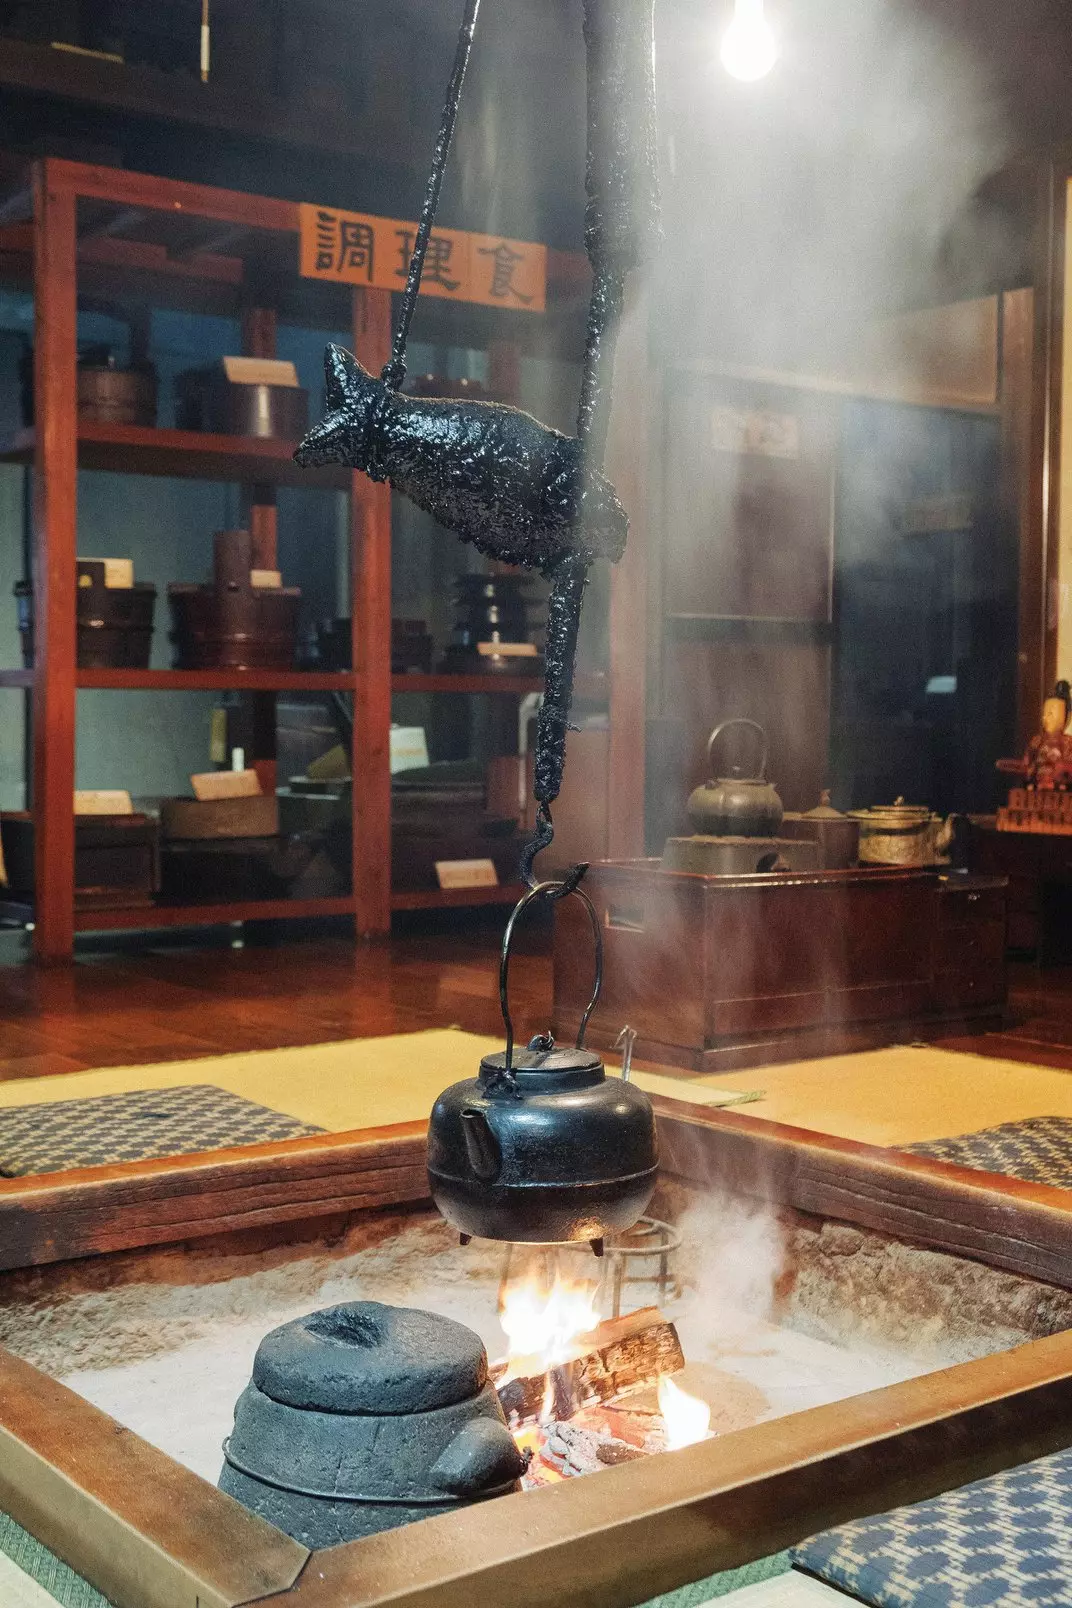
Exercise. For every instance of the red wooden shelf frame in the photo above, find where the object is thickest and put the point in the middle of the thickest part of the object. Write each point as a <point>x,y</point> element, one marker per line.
<point>218,680</point>
<point>183,454</point>
<point>61,444</point>
<point>455,898</point>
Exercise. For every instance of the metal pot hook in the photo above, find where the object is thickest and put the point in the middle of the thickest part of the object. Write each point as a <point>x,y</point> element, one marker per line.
<point>547,890</point>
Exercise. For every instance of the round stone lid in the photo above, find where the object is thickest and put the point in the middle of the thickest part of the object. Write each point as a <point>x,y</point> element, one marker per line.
<point>365,1357</point>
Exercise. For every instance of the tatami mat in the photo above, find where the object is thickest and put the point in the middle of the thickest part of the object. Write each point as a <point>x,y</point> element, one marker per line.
<point>793,1590</point>
<point>902,1095</point>
<point>360,1083</point>
<point>17,1590</point>
<point>884,1097</point>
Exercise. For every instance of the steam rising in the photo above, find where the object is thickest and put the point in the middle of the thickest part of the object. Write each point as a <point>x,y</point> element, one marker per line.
<point>801,207</point>
<point>733,1251</point>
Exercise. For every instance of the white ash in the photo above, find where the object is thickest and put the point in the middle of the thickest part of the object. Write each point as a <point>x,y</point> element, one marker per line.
<point>574,1449</point>
<point>169,1360</point>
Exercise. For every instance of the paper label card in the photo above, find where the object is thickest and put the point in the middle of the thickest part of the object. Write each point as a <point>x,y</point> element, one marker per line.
<point>119,574</point>
<point>467,874</point>
<point>260,371</point>
<point>508,650</point>
<point>755,432</point>
<point>409,749</point>
<point>226,784</point>
<point>96,801</point>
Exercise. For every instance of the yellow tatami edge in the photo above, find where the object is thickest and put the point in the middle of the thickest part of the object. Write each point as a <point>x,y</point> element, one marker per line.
<point>904,1094</point>
<point>885,1097</point>
<point>359,1083</point>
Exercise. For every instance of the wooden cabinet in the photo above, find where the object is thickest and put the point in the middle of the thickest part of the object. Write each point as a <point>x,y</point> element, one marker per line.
<point>1038,867</point>
<point>717,972</point>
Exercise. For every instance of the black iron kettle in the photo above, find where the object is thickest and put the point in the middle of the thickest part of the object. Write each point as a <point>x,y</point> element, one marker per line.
<point>543,1146</point>
<point>736,806</point>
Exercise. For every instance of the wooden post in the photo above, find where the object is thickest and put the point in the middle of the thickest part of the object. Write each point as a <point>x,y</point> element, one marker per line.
<point>504,371</point>
<point>55,500</point>
<point>627,469</point>
<point>1017,404</point>
<point>260,518</point>
<point>370,512</point>
<point>259,501</point>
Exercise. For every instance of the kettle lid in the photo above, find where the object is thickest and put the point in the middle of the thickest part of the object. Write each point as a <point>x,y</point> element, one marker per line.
<point>365,1357</point>
<point>546,1071</point>
<point>824,810</point>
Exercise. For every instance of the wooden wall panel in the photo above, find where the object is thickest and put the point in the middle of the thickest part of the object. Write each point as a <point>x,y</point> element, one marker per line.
<point>784,685</point>
<point>749,532</point>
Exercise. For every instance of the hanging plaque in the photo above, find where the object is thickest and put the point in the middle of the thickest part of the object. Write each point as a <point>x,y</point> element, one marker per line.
<point>355,248</point>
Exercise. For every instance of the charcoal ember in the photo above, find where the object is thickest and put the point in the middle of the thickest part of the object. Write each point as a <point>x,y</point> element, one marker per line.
<point>610,1452</point>
<point>574,1449</point>
<point>642,1430</point>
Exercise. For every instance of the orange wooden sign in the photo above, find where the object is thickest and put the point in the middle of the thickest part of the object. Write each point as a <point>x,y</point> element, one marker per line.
<point>354,248</point>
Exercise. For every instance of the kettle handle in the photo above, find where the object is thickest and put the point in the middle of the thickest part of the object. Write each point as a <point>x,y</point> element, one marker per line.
<point>553,891</point>
<point>725,726</point>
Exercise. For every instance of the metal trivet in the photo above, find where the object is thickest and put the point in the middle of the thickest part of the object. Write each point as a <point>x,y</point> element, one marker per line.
<point>649,1239</point>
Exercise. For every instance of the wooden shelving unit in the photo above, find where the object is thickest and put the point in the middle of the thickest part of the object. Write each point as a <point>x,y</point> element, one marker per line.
<point>218,680</point>
<point>160,239</point>
<point>183,454</point>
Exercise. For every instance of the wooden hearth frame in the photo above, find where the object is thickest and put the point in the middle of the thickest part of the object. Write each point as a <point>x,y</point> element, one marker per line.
<point>150,1534</point>
<point>1018,1227</point>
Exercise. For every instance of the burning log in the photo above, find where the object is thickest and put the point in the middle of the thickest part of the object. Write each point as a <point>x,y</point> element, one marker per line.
<point>621,1355</point>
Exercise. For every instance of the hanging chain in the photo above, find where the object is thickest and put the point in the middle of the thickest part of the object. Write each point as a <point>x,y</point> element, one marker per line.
<point>395,371</point>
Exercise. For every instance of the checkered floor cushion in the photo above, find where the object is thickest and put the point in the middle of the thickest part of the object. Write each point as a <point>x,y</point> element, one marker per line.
<point>1004,1542</point>
<point>1038,1149</point>
<point>134,1127</point>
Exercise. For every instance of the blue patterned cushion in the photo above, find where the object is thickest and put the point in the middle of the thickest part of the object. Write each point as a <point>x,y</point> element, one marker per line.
<point>103,1129</point>
<point>1038,1149</point>
<point>1004,1542</point>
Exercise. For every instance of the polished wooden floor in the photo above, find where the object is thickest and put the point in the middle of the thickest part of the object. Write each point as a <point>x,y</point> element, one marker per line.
<point>158,1000</point>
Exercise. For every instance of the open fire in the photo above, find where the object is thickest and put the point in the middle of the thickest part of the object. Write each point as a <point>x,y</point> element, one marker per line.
<point>581,1394</point>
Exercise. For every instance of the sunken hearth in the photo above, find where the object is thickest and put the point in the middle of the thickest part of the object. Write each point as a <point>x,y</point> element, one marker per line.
<point>725,1314</point>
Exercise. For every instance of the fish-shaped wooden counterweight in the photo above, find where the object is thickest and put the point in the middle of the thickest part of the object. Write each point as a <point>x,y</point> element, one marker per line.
<point>517,490</point>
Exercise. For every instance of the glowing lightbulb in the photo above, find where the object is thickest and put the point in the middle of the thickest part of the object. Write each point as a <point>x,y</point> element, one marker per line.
<point>749,47</point>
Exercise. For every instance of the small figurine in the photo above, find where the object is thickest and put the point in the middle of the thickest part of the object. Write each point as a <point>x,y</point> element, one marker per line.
<point>1048,761</point>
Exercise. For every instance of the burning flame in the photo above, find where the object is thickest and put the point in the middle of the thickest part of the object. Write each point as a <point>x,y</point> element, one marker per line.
<point>542,1325</point>
<point>687,1418</point>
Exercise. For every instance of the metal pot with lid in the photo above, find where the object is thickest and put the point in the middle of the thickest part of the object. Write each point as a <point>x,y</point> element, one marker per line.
<point>736,805</point>
<point>542,1146</point>
<point>365,1417</point>
<point>901,834</point>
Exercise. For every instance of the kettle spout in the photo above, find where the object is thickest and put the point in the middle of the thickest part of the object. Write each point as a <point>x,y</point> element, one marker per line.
<point>481,1460</point>
<point>482,1147</point>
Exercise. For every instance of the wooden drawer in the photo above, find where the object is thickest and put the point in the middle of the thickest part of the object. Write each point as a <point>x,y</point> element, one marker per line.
<point>970,988</point>
<point>966,907</point>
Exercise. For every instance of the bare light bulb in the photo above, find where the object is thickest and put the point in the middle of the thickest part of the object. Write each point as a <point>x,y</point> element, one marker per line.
<point>749,48</point>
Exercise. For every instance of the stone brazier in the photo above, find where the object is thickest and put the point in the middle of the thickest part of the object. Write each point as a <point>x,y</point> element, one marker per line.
<point>365,1417</point>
